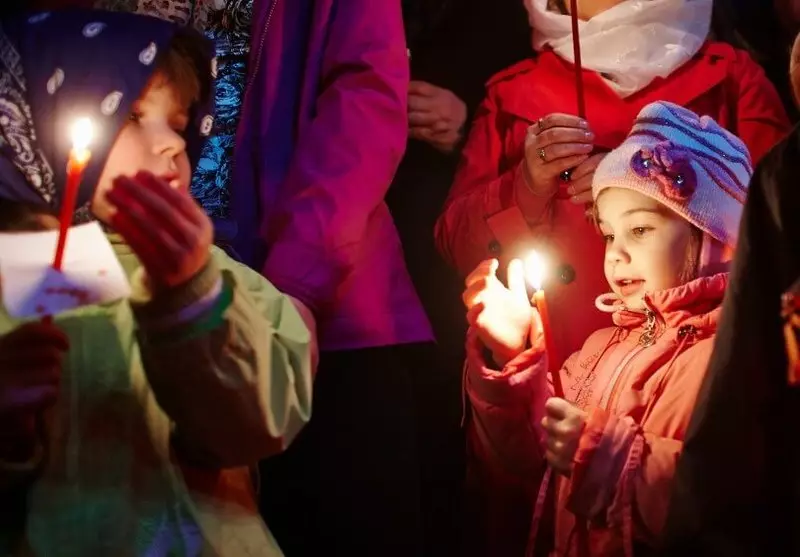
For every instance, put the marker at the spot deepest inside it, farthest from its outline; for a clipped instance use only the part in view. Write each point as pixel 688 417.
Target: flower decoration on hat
pixel 670 165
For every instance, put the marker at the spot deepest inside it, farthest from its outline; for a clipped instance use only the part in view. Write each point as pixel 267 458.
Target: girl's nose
pixel 170 143
pixel 616 253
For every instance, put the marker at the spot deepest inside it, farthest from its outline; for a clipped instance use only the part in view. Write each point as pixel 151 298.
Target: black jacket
pixel 457 45
pixel 737 488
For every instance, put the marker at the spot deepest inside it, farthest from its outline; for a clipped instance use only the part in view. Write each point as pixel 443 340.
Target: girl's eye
pixel 640 231
pixel 608 238
pixel 135 116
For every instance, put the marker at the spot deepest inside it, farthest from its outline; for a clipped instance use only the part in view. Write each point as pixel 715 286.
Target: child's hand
pixel 501 316
pixel 164 226
pixel 30 367
pixel 564 423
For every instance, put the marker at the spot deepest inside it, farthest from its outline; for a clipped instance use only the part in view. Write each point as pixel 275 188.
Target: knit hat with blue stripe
pixel 688 163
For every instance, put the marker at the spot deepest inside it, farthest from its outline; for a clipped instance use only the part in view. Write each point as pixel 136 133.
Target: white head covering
pixel 632 43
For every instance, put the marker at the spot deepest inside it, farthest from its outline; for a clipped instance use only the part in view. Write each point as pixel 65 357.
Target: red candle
pixel 576 49
pixel 79 157
pixel 535 269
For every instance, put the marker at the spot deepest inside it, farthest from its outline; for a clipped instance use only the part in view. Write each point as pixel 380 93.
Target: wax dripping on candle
pixel 535 271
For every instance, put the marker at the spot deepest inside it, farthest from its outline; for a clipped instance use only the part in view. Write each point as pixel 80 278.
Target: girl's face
pixel 151 140
pixel 648 247
pixel 587 9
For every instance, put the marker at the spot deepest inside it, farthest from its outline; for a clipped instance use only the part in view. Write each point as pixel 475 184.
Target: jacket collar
pixel 550 84
pixel 697 303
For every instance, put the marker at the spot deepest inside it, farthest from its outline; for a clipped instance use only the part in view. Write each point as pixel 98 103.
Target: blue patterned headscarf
pixel 60 66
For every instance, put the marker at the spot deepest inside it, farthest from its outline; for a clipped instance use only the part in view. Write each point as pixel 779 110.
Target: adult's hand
pixel 580 187
pixel 435 115
pixel 555 144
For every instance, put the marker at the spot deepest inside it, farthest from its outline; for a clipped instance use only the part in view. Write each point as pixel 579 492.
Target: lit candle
pixel 79 157
pixel 535 270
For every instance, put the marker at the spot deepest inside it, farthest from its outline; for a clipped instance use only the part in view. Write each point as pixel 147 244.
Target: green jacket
pixel 148 449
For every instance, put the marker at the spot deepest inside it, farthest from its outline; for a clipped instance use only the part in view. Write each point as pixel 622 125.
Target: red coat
pixel 481 217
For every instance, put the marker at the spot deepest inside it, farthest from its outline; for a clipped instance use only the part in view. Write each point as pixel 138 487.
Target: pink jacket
pixel 310 179
pixel 639 396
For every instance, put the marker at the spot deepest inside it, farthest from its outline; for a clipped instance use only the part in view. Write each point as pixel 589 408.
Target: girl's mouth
pixel 628 287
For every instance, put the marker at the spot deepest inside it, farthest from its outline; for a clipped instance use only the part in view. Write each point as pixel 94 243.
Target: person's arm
pixel 507 409
pixel 346 158
pixel 229 359
pixel 489 206
pixel 623 473
pixel 761 118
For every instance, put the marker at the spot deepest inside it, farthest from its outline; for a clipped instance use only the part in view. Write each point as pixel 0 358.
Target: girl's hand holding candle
pixel 501 316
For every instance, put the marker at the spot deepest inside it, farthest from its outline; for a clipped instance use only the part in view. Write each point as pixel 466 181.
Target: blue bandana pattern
pixel 229 28
pixel 55 68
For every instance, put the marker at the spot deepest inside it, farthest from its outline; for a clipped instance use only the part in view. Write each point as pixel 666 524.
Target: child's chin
pixel 634 302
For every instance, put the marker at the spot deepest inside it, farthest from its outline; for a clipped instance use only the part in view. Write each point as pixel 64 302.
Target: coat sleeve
pixel 487 194
pixel 234 378
pixel 346 158
pixel 508 407
pixel 761 118
pixel 623 473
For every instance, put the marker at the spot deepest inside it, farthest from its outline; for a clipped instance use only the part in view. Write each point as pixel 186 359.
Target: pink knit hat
pixel 689 164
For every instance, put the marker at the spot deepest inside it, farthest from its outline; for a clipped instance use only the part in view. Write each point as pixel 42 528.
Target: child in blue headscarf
pixel 150 410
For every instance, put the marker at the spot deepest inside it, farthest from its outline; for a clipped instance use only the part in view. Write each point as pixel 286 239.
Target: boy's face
pixel 151 140
pixel 648 247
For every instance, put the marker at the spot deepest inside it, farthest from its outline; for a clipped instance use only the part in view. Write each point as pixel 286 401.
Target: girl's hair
pixel 185 66
pixel 692 269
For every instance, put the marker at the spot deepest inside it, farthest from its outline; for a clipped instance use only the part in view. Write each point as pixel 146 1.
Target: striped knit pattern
pixel 688 163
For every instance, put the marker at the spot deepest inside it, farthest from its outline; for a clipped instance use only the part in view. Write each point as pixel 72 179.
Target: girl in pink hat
pixel 596 465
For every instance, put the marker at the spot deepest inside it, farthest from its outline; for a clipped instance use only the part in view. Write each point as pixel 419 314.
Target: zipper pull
pixel 649 334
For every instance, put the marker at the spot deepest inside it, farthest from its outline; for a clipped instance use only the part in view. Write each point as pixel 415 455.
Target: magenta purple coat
pixel 310 182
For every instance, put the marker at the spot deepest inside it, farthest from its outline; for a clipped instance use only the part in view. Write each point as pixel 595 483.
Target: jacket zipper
pixel 646 340
pixel 257 65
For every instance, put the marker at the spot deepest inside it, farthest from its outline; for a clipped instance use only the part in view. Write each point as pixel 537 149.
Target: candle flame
pixel 535 269
pixel 82 133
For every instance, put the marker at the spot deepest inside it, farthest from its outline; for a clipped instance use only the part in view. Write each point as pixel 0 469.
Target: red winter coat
pixel 639 396
pixel 482 218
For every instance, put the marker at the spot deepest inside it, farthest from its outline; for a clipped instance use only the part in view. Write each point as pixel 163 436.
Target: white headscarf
pixel 632 43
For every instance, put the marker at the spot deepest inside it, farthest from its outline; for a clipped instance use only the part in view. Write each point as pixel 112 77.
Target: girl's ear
pixel 794 70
